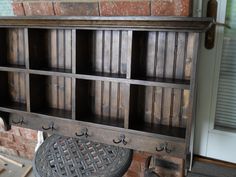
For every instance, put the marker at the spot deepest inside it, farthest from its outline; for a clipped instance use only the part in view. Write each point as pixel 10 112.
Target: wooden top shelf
pixel 186 24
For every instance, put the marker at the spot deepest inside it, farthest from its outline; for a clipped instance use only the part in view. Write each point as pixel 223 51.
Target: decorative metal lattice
pixel 62 156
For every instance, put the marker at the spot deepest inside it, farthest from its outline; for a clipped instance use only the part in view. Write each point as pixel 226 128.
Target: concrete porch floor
pixel 200 169
pixel 12 170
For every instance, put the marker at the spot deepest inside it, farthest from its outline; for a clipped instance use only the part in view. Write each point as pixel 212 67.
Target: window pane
pixel 226 96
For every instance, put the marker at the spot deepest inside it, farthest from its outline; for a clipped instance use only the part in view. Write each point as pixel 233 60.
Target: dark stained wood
pixel 73 80
pixel 179 74
pixel 106 134
pixel 12 52
pixel 96 104
pixel 134 23
pixel 111 75
pixel 42 91
pixel 169 73
pixel 127 56
pixel 12 95
pixel 27 81
pixel 194 38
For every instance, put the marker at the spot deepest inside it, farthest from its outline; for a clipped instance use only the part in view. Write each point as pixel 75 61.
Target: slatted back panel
pixel 167 55
pixel 110 57
pixel 106 52
pixel 56 54
pixel 60 89
pixel 16 56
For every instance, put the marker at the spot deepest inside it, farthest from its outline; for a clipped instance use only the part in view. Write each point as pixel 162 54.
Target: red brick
pixel 170 8
pixel 140 156
pixel 12 145
pixel 18 9
pixel 28 133
pixel 38 8
pixel 15 130
pixel 125 8
pixel 135 166
pixel 131 174
pixel 76 9
pixel 6 136
pixel 22 140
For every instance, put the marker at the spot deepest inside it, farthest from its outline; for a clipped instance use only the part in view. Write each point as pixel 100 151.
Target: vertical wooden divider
pixel 193 45
pixel 128 76
pixel 73 88
pixel 27 75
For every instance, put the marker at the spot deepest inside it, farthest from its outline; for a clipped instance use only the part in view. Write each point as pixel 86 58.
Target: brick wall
pixel 103 7
pixel 21 142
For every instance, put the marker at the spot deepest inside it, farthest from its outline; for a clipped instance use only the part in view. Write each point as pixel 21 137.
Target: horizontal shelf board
pixel 179 84
pixel 13 69
pixel 14 66
pixel 172 83
pixel 103 74
pixel 50 73
pixel 103 121
pixel 15 106
pixel 162 82
pixel 195 24
pixel 54 112
pixel 161 129
pixel 60 70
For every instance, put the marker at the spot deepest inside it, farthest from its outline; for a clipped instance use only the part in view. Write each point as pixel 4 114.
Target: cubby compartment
pixel 51 49
pixel 102 52
pixel 51 95
pixel 13 90
pixel 159 110
pixel 101 102
pixel 161 57
pixel 12 48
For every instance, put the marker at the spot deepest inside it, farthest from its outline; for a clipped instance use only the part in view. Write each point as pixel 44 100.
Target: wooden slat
pixel 169 70
pixel 68 65
pixel 159 73
pixel 54 63
pixel 27 75
pixel 192 45
pixel 14 88
pixel 73 68
pixel 128 53
pixel 127 90
pixel 98 67
pixel 151 71
pixel 115 59
pixel 61 59
pixel 107 69
pixel 179 73
pixel 21 61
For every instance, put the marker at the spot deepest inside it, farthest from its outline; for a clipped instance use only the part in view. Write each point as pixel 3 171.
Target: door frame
pixel 207 83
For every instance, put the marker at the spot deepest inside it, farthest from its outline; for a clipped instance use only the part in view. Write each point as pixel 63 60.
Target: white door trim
pixel 209 141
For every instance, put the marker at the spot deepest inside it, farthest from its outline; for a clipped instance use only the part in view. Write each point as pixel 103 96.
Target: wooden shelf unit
pixel 133 76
